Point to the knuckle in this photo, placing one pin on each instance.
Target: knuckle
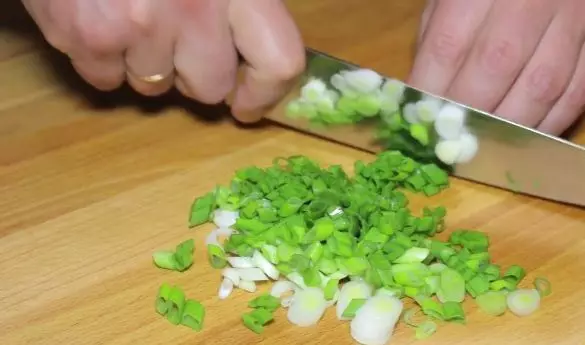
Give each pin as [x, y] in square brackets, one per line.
[500, 56]
[100, 38]
[447, 47]
[545, 84]
[575, 94]
[290, 67]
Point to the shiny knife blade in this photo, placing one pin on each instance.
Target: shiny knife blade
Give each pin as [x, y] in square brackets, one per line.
[509, 156]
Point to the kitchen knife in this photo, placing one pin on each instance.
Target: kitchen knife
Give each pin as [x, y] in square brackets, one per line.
[336, 100]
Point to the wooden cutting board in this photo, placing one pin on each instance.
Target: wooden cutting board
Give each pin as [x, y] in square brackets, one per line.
[88, 193]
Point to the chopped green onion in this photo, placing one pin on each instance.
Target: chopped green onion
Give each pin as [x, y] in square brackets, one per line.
[331, 288]
[477, 285]
[184, 255]
[514, 274]
[201, 210]
[408, 316]
[265, 301]
[412, 275]
[413, 255]
[432, 308]
[179, 260]
[353, 307]
[162, 304]
[543, 286]
[176, 305]
[425, 330]
[216, 256]
[252, 323]
[453, 311]
[311, 277]
[165, 259]
[193, 315]
[451, 286]
[492, 303]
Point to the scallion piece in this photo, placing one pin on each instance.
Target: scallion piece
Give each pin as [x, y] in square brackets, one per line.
[543, 286]
[193, 315]
[453, 311]
[412, 275]
[179, 260]
[162, 303]
[176, 305]
[184, 255]
[216, 256]
[165, 259]
[265, 301]
[425, 330]
[353, 307]
[492, 303]
[523, 302]
[477, 285]
[201, 209]
[331, 288]
[252, 323]
[432, 308]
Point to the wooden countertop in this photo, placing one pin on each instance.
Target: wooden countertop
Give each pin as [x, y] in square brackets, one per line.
[88, 193]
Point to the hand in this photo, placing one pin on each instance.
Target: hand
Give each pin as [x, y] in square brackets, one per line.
[190, 44]
[523, 60]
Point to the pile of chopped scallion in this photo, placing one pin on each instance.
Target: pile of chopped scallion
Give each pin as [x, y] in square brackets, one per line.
[349, 243]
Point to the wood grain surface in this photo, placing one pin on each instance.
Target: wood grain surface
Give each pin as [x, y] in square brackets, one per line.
[91, 184]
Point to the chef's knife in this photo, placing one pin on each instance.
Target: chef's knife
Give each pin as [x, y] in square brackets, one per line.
[508, 155]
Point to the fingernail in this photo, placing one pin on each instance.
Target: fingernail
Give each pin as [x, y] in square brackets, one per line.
[249, 116]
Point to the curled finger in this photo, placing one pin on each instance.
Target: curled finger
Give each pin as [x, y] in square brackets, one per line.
[205, 58]
[149, 57]
[103, 29]
[269, 41]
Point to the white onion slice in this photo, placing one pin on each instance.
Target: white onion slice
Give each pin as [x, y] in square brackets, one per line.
[226, 232]
[251, 274]
[365, 81]
[231, 274]
[247, 285]
[410, 113]
[282, 287]
[428, 108]
[469, 147]
[394, 89]
[523, 302]
[450, 121]
[262, 263]
[374, 322]
[296, 278]
[225, 288]
[212, 239]
[287, 301]
[357, 289]
[313, 90]
[448, 151]
[241, 262]
[307, 307]
[225, 218]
